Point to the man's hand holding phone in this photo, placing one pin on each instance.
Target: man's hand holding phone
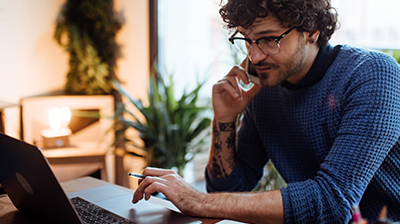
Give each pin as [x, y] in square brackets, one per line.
[229, 98]
[253, 75]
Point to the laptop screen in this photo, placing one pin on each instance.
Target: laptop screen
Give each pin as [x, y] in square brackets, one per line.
[28, 180]
[33, 188]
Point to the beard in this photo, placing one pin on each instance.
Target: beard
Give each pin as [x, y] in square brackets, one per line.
[282, 72]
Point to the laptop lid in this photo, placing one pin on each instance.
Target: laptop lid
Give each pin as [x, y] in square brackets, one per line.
[28, 180]
[33, 188]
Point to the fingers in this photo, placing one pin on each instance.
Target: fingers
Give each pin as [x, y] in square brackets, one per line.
[245, 65]
[151, 171]
[244, 76]
[148, 186]
[230, 85]
[154, 187]
[240, 72]
[175, 189]
[156, 181]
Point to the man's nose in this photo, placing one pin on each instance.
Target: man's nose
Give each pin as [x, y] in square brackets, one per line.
[256, 54]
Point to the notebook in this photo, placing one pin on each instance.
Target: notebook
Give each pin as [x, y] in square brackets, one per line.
[27, 178]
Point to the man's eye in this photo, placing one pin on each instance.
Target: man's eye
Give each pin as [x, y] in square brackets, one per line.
[267, 39]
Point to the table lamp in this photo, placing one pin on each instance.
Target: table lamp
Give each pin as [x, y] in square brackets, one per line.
[58, 134]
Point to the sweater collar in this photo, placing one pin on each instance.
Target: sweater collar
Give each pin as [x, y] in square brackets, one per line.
[324, 59]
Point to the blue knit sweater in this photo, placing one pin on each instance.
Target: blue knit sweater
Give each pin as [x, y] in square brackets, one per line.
[336, 143]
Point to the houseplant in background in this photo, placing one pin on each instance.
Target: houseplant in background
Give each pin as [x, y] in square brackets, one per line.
[172, 129]
[87, 29]
[395, 54]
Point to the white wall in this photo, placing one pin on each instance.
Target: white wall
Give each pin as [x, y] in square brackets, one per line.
[32, 63]
[133, 67]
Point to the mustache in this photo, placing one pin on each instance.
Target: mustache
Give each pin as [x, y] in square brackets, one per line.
[266, 64]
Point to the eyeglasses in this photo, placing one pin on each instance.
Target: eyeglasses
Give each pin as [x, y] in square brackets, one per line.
[269, 45]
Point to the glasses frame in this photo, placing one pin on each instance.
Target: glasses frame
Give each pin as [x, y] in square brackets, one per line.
[258, 41]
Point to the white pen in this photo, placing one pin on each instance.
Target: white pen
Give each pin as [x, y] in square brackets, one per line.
[137, 175]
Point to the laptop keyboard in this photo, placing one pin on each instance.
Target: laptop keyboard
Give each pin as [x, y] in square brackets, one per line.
[91, 213]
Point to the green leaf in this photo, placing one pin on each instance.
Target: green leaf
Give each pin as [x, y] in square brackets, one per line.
[174, 126]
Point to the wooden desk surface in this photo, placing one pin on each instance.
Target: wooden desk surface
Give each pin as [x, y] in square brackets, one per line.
[84, 149]
[90, 152]
[10, 215]
[74, 155]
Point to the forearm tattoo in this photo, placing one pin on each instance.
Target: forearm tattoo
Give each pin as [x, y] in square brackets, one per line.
[218, 163]
[217, 141]
[226, 127]
[231, 142]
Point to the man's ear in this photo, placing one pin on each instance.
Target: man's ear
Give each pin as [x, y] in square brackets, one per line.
[313, 36]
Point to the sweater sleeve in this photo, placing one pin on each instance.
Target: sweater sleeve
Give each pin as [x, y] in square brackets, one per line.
[368, 129]
[251, 158]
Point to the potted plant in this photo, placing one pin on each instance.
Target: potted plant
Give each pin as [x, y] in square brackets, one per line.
[172, 130]
[87, 29]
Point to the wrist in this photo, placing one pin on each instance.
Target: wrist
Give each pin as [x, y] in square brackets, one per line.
[224, 120]
[207, 207]
[199, 207]
[225, 126]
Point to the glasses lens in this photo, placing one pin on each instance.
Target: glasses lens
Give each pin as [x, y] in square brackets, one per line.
[240, 44]
[267, 45]
[270, 47]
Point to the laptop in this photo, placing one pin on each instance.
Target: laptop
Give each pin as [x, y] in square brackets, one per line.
[29, 181]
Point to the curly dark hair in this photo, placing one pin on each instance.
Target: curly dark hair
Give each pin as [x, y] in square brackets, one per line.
[304, 15]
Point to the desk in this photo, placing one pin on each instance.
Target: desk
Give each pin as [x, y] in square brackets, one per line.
[84, 154]
[10, 215]
[91, 137]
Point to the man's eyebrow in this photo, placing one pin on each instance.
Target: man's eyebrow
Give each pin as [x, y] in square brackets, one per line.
[262, 32]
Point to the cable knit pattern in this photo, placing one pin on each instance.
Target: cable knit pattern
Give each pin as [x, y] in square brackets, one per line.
[336, 143]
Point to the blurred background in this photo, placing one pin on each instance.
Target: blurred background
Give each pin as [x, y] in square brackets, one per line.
[184, 38]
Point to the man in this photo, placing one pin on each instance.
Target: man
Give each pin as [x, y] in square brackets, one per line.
[328, 117]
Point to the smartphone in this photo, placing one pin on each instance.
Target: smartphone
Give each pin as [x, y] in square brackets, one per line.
[253, 75]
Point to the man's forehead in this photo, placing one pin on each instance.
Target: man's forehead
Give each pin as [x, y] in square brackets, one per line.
[262, 24]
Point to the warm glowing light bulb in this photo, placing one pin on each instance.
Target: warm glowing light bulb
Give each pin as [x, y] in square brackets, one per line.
[58, 134]
[65, 115]
[55, 118]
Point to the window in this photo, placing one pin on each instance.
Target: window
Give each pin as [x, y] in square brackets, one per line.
[368, 23]
[192, 43]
